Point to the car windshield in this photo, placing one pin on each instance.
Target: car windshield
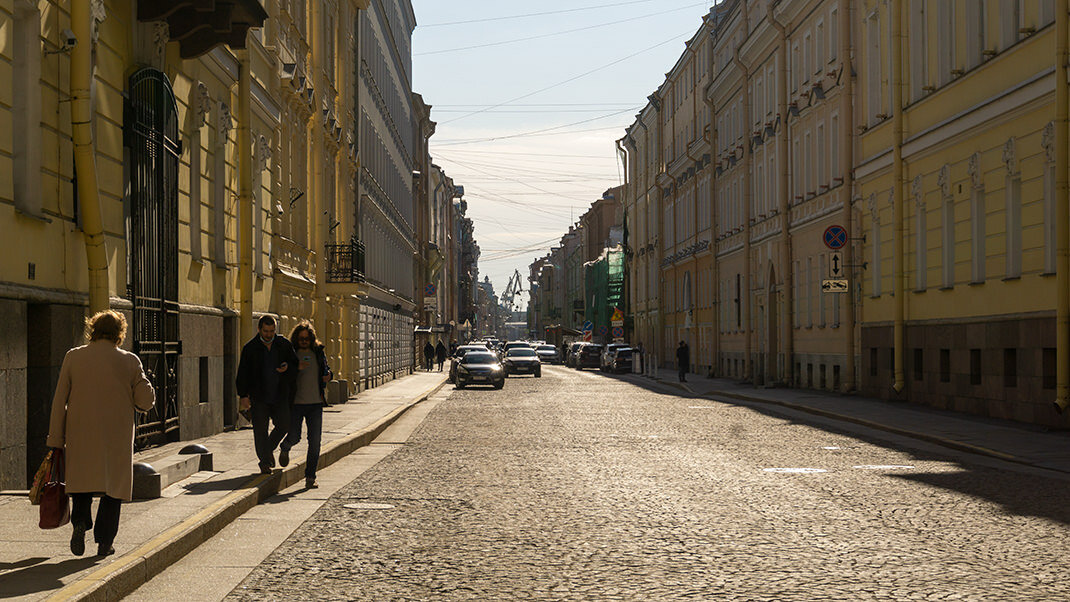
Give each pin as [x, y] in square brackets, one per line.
[521, 352]
[591, 348]
[624, 353]
[548, 348]
[478, 357]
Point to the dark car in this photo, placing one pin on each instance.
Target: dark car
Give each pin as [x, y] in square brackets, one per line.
[620, 360]
[588, 356]
[570, 356]
[457, 355]
[480, 368]
[548, 354]
[522, 360]
[604, 362]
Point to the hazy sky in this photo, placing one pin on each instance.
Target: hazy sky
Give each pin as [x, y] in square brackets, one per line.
[529, 104]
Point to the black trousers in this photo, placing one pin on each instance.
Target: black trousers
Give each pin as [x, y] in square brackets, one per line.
[265, 443]
[107, 516]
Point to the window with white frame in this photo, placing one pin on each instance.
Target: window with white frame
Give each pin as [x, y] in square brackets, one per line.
[834, 148]
[977, 232]
[821, 176]
[917, 49]
[947, 241]
[1009, 23]
[834, 33]
[975, 31]
[820, 52]
[873, 67]
[945, 35]
[822, 269]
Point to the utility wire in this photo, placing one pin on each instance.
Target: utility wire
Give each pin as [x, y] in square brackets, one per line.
[558, 33]
[569, 80]
[529, 135]
[535, 132]
[527, 15]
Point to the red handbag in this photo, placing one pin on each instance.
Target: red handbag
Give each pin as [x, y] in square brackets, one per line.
[55, 505]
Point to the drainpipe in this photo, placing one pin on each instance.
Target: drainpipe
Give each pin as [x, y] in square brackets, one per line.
[787, 317]
[748, 362]
[847, 188]
[1062, 210]
[712, 138]
[85, 157]
[245, 198]
[648, 333]
[627, 255]
[318, 203]
[898, 270]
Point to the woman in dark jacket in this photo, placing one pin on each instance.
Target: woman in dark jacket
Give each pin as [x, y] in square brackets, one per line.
[313, 374]
[440, 355]
[429, 355]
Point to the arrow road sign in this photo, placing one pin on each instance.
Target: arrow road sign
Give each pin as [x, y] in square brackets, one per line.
[834, 286]
[835, 237]
[588, 326]
[836, 265]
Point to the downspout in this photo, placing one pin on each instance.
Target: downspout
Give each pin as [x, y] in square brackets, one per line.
[627, 247]
[85, 156]
[787, 316]
[711, 137]
[318, 203]
[748, 345]
[898, 270]
[245, 198]
[1062, 210]
[847, 188]
[646, 193]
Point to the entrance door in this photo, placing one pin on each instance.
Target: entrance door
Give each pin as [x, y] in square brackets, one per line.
[151, 131]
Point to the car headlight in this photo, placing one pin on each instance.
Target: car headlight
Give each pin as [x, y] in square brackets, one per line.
[496, 369]
[462, 370]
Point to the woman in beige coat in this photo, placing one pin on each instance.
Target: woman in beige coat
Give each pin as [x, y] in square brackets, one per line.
[100, 386]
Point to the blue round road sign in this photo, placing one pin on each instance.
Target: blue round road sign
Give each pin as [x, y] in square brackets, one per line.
[429, 290]
[835, 237]
[588, 325]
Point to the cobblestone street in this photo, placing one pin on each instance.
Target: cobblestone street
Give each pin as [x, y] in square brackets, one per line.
[578, 486]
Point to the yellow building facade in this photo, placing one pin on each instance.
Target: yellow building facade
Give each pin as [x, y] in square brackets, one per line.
[218, 155]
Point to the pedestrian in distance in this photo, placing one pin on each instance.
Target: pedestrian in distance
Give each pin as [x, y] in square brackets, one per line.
[429, 355]
[266, 372]
[683, 360]
[440, 355]
[453, 347]
[100, 386]
[313, 374]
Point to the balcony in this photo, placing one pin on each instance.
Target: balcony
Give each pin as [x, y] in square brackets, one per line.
[345, 262]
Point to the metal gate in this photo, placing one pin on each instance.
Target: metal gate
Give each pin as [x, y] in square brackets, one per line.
[151, 132]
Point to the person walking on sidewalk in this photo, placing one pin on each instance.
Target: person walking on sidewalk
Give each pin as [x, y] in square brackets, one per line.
[683, 360]
[440, 355]
[313, 374]
[266, 371]
[429, 355]
[100, 386]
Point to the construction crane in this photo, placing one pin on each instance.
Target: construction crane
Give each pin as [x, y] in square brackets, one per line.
[514, 288]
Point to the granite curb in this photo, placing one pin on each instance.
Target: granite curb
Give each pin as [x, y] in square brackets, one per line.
[128, 572]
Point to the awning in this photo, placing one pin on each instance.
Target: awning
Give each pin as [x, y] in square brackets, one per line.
[200, 25]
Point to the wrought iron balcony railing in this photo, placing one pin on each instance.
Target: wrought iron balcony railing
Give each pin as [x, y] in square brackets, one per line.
[345, 262]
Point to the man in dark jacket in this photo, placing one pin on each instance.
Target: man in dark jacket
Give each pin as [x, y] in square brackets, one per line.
[308, 399]
[683, 360]
[266, 373]
[440, 355]
[429, 355]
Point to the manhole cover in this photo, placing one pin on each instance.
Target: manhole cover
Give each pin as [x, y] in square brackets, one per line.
[368, 506]
[884, 467]
[795, 470]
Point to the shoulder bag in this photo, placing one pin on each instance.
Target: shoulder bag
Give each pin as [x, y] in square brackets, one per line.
[55, 505]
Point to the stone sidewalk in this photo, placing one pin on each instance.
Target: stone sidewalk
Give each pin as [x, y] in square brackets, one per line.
[1004, 439]
[37, 564]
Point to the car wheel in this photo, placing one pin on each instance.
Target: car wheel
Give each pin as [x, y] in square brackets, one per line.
[538, 374]
[460, 385]
[499, 385]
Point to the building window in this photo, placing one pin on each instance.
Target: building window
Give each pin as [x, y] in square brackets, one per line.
[875, 260]
[1048, 360]
[873, 67]
[1049, 217]
[26, 110]
[1009, 23]
[975, 32]
[1010, 367]
[946, 28]
[873, 361]
[919, 364]
[821, 269]
[920, 238]
[945, 365]
[975, 366]
[917, 49]
[977, 233]
[810, 292]
[947, 249]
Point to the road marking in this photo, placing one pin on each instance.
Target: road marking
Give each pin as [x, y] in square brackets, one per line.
[883, 467]
[795, 470]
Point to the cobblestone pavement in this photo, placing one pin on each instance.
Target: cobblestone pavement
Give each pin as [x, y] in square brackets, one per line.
[582, 487]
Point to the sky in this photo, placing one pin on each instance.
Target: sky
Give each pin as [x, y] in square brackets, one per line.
[530, 98]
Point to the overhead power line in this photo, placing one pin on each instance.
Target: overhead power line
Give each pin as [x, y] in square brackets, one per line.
[569, 80]
[559, 33]
[542, 14]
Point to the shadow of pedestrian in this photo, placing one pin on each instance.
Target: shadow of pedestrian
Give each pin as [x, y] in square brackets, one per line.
[229, 484]
[38, 577]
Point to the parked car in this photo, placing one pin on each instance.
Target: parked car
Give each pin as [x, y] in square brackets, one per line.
[573, 349]
[522, 360]
[480, 368]
[515, 344]
[603, 361]
[460, 353]
[588, 356]
[620, 360]
[548, 354]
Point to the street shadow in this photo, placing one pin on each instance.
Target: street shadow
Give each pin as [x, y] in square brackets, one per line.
[39, 577]
[229, 484]
[1016, 493]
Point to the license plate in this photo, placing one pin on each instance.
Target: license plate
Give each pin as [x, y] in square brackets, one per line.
[480, 378]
